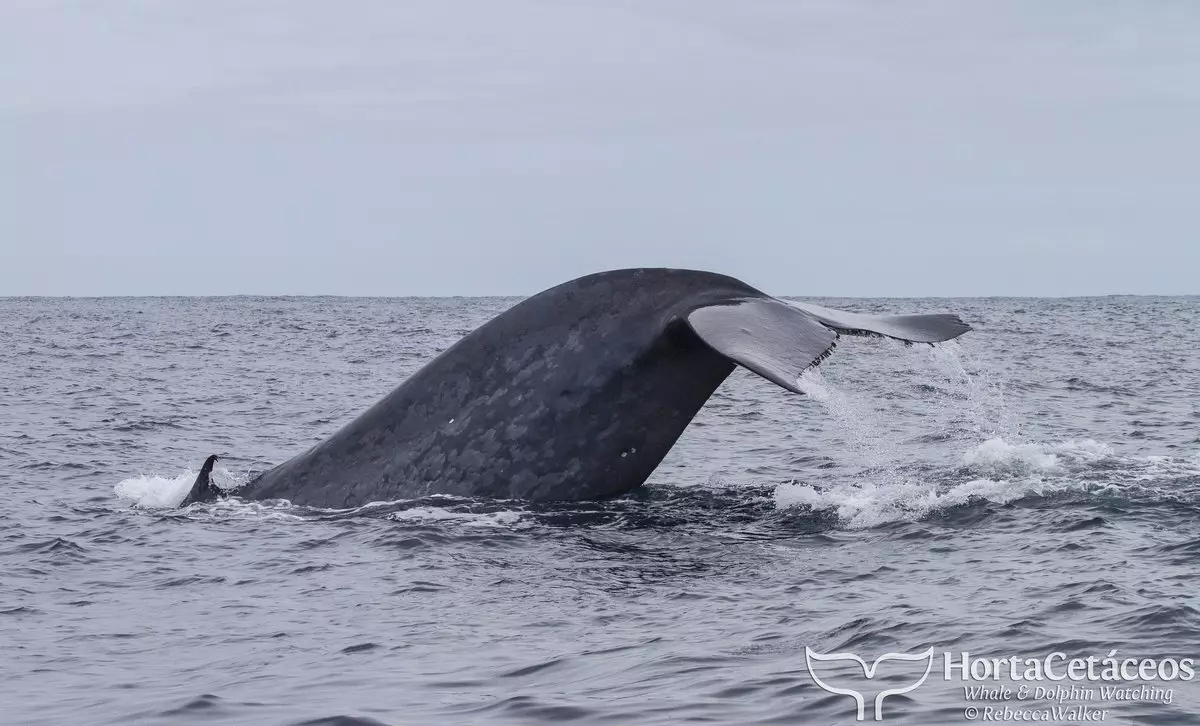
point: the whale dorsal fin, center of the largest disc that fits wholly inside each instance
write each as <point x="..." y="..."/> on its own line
<point x="912" y="328"/>
<point x="203" y="489"/>
<point x="768" y="336"/>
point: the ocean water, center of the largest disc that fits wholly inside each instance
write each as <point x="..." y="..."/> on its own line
<point x="1030" y="490"/>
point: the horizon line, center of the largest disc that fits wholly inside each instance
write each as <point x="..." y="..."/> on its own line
<point x="526" y="295"/>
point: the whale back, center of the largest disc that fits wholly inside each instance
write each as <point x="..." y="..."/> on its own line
<point x="575" y="393"/>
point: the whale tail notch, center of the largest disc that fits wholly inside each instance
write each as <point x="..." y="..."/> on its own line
<point x="203" y="489"/>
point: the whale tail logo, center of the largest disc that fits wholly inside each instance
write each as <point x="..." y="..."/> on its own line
<point x="869" y="671"/>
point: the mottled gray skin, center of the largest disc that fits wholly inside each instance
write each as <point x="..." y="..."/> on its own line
<point x="575" y="393"/>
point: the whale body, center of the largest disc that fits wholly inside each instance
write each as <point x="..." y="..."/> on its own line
<point x="575" y="393"/>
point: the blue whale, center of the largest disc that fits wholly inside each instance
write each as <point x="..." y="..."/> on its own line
<point x="575" y="393"/>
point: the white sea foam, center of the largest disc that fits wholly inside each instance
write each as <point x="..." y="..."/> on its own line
<point x="864" y="505"/>
<point x="151" y="491"/>
<point x="1012" y="472"/>
<point x="156" y="492"/>
<point x="506" y="518"/>
<point x="999" y="456"/>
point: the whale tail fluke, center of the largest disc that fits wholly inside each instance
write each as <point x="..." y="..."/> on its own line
<point x="936" y="328"/>
<point x="781" y="340"/>
<point x="203" y="489"/>
<point x="768" y="336"/>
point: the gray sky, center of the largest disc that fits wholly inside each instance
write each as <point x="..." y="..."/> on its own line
<point x="385" y="147"/>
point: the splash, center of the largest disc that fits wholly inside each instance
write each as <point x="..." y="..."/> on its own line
<point x="997" y="456"/>
<point x="999" y="472"/>
<point x="881" y="490"/>
<point x="862" y="506"/>
<point x="155" y="492"/>
<point x="971" y="399"/>
<point x="152" y="491"/>
<point x="965" y="406"/>
<point x="855" y="419"/>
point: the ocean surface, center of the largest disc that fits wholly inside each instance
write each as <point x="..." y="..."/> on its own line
<point x="1030" y="490"/>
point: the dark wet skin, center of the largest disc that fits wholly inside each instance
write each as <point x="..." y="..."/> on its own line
<point x="203" y="489"/>
<point x="576" y="393"/>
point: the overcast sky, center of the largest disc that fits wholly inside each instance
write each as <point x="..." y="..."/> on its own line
<point x="402" y="147"/>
